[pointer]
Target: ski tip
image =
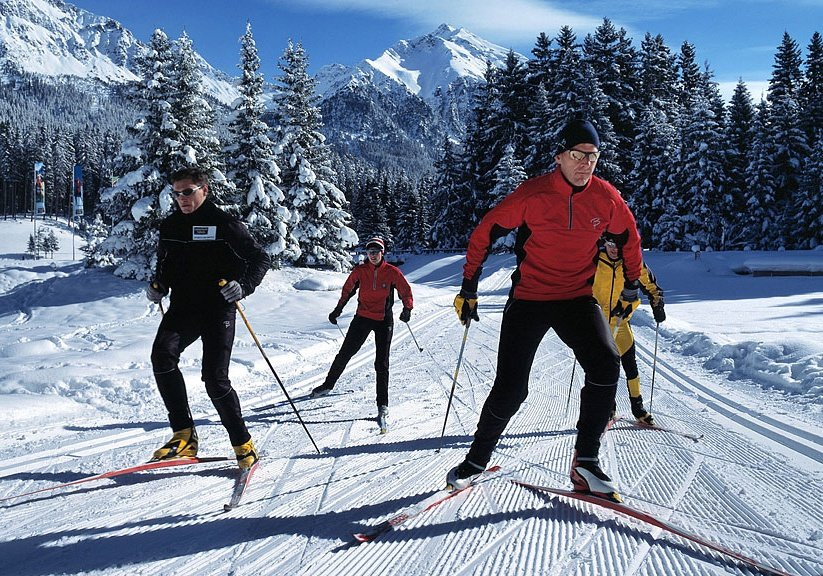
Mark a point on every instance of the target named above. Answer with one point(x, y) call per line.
point(363, 537)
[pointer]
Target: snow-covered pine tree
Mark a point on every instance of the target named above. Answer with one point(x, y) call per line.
point(739, 122)
point(198, 141)
point(141, 167)
point(761, 214)
point(452, 215)
point(811, 91)
point(789, 140)
point(252, 162)
point(372, 217)
point(698, 178)
point(508, 176)
point(653, 155)
point(614, 60)
point(319, 209)
point(808, 209)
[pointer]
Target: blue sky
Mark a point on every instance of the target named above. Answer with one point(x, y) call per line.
point(738, 38)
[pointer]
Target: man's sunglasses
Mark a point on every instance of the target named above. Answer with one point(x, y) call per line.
point(186, 191)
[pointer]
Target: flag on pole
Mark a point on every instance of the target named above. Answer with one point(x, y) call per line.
point(77, 194)
point(39, 188)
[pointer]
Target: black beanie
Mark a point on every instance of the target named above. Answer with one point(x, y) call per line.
point(578, 132)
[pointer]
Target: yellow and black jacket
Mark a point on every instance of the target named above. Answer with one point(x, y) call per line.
point(608, 283)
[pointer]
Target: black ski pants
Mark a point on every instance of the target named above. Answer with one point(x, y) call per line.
point(358, 331)
point(178, 329)
point(580, 324)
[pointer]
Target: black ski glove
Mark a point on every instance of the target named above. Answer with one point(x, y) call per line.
point(155, 291)
point(465, 304)
point(628, 301)
point(405, 315)
point(659, 313)
point(334, 314)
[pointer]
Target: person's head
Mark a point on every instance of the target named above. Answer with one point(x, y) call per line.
point(578, 151)
point(612, 251)
point(374, 249)
point(189, 186)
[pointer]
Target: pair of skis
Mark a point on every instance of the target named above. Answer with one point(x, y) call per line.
point(441, 496)
point(240, 482)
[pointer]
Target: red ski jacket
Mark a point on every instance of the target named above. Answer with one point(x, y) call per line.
point(556, 243)
point(376, 285)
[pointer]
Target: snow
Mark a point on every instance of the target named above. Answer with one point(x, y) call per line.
point(739, 360)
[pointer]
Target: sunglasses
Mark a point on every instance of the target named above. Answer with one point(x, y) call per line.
point(578, 155)
point(186, 191)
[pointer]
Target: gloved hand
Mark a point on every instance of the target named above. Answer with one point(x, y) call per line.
point(232, 291)
point(405, 315)
point(628, 301)
point(155, 291)
point(465, 304)
point(334, 314)
point(659, 313)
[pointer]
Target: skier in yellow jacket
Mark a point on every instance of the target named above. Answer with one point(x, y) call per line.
point(608, 282)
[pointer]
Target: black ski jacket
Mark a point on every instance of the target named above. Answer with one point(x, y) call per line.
point(197, 250)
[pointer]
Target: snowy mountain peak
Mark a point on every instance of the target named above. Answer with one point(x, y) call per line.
point(421, 65)
point(52, 38)
point(56, 39)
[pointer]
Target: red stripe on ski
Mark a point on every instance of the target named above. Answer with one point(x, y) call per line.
point(413, 511)
point(152, 465)
point(240, 485)
point(656, 522)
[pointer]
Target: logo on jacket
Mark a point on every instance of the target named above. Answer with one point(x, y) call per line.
point(204, 232)
point(596, 223)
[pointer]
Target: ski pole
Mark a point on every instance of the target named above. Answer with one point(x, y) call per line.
point(266, 358)
point(413, 338)
point(454, 381)
point(341, 330)
point(569, 397)
point(654, 363)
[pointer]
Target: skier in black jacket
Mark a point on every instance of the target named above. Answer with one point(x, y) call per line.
point(199, 246)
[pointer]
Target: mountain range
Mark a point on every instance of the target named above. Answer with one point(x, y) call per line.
point(394, 109)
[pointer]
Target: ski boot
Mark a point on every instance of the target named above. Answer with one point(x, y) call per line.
point(321, 390)
point(587, 476)
point(246, 455)
point(183, 444)
point(640, 413)
point(462, 475)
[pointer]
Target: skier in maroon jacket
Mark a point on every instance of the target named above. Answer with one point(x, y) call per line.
point(559, 217)
point(375, 282)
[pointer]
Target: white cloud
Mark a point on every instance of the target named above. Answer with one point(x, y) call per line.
point(502, 22)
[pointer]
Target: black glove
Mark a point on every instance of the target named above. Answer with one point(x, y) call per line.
point(405, 315)
point(334, 314)
point(659, 313)
point(465, 304)
point(628, 301)
point(155, 291)
point(232, 291)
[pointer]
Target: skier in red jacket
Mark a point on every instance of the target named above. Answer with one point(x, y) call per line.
point(375, 282)
point(559, 217)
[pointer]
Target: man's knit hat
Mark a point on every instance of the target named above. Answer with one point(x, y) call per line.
point(578, 132)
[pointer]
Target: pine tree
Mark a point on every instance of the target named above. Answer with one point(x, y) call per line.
point(614, 61)
point(142, 165)
point(808, 209)
point(761, 216)
point(811, 91)
point(508, 176)
point(739, 125)
point(319, 209)
point(252, 163)
point(453, 213)
point(788, 139)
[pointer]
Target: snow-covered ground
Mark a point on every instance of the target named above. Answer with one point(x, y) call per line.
point(739, 360)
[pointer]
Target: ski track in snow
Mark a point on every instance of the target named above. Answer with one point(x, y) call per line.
point(734, 486)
